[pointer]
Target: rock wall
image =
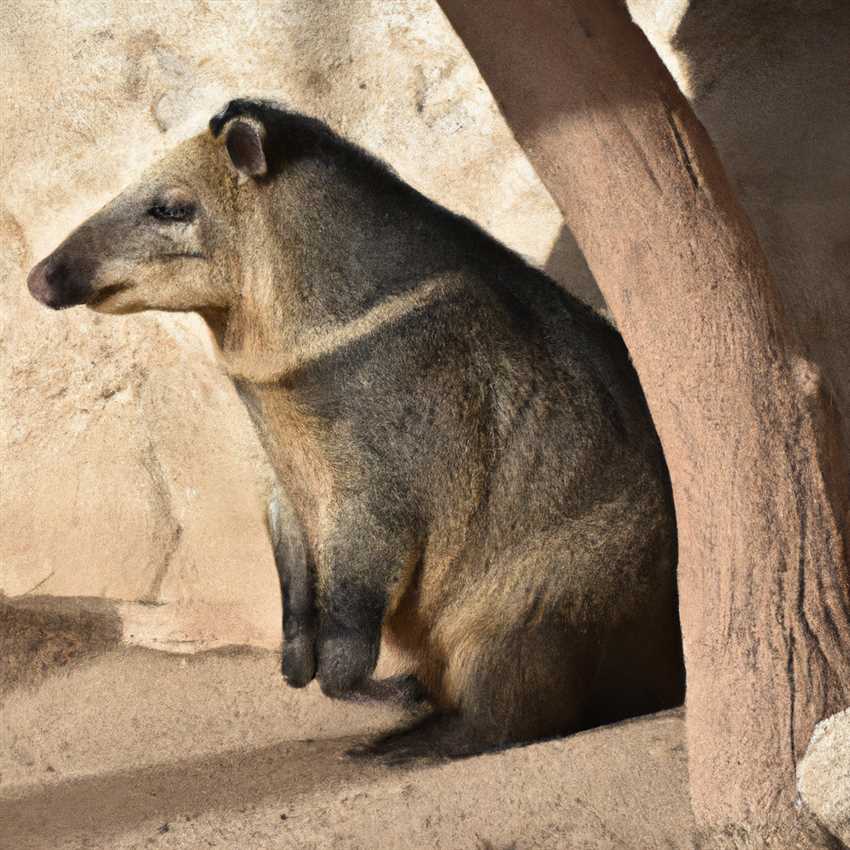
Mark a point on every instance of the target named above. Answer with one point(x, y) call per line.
point(129, 469)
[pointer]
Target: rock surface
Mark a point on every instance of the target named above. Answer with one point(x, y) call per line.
point(823, 776)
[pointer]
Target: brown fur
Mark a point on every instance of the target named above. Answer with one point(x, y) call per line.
point(469, 465)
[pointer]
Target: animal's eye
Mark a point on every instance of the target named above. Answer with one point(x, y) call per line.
point(175, 213)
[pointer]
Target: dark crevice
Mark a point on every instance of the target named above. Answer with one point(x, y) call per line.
point(682, 149)
point(162, 493)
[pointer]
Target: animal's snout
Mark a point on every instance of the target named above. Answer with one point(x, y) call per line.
point(56, 283)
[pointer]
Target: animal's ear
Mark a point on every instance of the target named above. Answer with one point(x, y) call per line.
point(245, 139)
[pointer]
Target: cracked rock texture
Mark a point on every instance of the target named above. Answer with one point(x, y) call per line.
point(129, 469)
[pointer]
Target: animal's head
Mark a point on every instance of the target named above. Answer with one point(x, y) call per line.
point(180, 238)
point(269, 225)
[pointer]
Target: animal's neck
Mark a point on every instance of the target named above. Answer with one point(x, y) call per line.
point(265, 364)
point(361, 237)
point(350, 253)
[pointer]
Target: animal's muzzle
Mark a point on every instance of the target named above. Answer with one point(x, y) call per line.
point(57, 283)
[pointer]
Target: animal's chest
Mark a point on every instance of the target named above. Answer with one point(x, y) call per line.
point(298, 447)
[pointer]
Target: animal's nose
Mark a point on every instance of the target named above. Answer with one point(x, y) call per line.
point(54, 283)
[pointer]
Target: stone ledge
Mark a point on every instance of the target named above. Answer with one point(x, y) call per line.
point(136, 748)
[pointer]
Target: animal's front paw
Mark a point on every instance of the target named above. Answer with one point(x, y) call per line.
point(299, 661)
point(346, 660)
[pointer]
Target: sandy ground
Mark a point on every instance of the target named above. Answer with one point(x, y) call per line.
point(105, 746)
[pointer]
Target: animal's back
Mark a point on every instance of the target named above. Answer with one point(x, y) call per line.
point(543, 598)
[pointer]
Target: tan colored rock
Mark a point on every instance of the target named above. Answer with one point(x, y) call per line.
point(823, 776)
point(129, 469)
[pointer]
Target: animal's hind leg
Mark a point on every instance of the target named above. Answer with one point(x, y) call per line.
point(435, 736)
point(525, 684)
point(497, 691)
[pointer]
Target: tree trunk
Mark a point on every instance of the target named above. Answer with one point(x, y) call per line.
point(758, 469)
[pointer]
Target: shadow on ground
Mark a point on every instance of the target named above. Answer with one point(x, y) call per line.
point(43, 635)
point(115, 747)
point(94, 808)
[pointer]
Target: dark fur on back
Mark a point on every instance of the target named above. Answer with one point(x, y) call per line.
point(294, 137)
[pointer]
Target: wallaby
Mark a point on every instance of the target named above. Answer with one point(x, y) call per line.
point(469, 465)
